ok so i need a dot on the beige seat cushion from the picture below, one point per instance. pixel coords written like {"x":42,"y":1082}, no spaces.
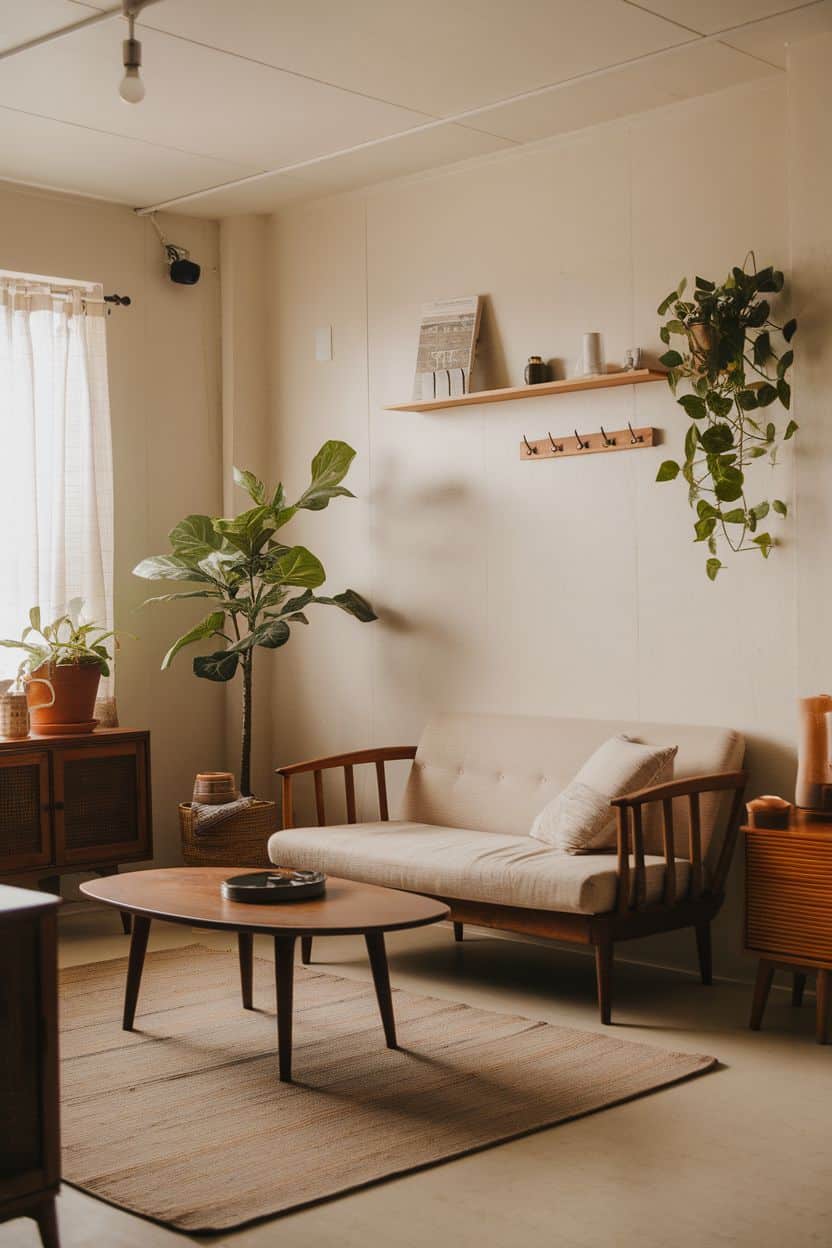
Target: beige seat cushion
{"x":463,"y":864}
{"x":496,"y":772}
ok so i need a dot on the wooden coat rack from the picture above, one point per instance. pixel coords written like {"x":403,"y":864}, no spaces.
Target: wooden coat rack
{"x":576,"y":443}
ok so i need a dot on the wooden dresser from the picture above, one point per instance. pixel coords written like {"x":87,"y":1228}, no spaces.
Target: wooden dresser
{"x":73,"y":803}
{"x":788,"y":909}
{"x":29,"y":1120}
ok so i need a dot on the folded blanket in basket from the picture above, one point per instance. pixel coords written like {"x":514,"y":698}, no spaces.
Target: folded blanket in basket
{"x":207,"y":817}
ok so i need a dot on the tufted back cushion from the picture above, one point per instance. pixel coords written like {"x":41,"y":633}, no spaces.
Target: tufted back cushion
{"x":494,"y":773}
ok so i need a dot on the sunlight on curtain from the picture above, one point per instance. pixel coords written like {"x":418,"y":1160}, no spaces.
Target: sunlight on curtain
{"x":56,"y":495}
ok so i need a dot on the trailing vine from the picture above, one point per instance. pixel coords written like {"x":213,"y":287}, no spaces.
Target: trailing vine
{"x":734,"y":372}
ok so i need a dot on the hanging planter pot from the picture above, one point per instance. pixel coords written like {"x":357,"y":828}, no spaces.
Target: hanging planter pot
{"x":701,"y":338}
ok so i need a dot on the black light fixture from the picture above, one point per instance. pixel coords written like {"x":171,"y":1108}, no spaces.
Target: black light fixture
{"x":183,"y":270}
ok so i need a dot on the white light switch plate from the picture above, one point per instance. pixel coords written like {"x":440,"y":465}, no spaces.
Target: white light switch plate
{"x":323,"y":343}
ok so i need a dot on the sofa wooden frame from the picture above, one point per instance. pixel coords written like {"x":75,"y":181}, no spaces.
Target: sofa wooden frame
{"x":632,"y":916}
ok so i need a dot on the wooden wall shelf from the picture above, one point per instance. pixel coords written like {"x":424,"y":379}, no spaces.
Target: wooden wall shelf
{"x":635,"y":377}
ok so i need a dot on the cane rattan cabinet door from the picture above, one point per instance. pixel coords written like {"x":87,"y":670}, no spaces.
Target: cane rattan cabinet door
{"x":101,"y":807}
{"x":25,"y":817}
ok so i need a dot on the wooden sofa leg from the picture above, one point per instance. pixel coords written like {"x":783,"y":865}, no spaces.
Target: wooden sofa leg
{"x":458,"y":929}
{"x":798,"y":985}
{"x":603,"y":976}
{"x":306,"y":950}
{"x":703,"y":948}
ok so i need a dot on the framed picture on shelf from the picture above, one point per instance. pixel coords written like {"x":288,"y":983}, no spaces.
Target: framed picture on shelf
{"x":447,"y":342}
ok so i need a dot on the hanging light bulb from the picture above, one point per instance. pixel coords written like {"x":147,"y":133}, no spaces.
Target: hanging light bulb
{"x":131,"y":87}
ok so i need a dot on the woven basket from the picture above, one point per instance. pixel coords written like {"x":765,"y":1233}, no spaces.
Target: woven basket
{"x":239,"y":841}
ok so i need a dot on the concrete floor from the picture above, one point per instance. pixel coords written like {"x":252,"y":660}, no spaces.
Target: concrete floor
{"x":742,"y":1156}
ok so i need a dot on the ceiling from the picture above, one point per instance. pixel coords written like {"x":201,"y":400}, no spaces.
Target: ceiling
{"x":251,"y":103}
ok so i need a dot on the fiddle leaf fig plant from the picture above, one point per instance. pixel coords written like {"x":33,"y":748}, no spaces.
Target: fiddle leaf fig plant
{"x":251,"y":578}
{"x":735,"y":361}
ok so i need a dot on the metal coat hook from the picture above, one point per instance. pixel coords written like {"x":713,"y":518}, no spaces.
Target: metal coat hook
{"x":635,"y":438}
{"x":556,"y":446}
{"x":582,"y":446}
{"x":530,"y":450}
{"x":607,"y":441}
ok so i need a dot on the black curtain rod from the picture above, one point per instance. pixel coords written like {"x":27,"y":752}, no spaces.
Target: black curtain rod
{"x":121,"y":301}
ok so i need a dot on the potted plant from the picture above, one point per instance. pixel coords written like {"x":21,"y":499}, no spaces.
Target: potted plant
{"x":257,"y":586}
{"x":731,"y":366}
{"x":72,"y":657}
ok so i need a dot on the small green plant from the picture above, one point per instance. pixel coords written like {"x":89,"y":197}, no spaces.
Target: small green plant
{"x":250,"y":577}
{"x":728,"y":360}
{"x":63,"y":642}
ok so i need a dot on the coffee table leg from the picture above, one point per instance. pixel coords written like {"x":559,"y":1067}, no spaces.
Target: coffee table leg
{"x":135,"y":962}
{"x":245,"y":946}
{"x":284,"y":970}
{"x":381,"y":979}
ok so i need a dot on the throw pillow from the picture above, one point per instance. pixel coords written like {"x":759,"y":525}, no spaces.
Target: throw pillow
{"x":580,"y":819}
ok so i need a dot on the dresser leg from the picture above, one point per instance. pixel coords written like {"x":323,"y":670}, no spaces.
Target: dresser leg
{"x":798,"y":984}
{"x":47,"y":1220}
{"x":822,"y":988}
{"x":762,"y":987}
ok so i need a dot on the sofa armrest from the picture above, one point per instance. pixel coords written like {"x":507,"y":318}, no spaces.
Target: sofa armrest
{"x":378,"y":756}
{"x":631,"y":893}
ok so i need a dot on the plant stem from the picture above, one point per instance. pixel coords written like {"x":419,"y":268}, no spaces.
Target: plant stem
{"x":245,"y":761}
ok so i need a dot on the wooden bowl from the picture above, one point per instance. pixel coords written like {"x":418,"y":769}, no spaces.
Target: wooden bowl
{"x":215,"y":788}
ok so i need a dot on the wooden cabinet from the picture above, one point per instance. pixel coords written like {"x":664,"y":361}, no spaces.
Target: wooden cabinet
{"x":788,"y":909}
{"x":74,"y":803}
{"x":29,"y":1118}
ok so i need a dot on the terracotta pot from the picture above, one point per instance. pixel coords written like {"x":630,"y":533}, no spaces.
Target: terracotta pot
{"x":701,"y":338}
{"x":76,"y":687}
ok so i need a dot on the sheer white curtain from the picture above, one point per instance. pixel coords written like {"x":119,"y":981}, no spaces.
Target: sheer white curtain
{"x":56,"y":492}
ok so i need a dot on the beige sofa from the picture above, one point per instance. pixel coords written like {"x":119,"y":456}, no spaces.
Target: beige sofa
{"x":475,"y":785}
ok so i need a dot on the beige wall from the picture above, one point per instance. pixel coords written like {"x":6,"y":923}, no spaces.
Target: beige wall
{"x":164,"y":371}
{"x":562,"y":588}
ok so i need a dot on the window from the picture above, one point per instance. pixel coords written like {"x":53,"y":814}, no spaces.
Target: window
{"x":56,"y":496}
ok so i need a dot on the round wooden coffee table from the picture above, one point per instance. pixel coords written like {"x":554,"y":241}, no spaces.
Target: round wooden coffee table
{"x":191,"y":895}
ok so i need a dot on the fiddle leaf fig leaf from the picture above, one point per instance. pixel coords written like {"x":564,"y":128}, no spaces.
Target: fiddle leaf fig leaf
{"x":247,"y":481}
{"x":353,"y":604}
{"x":271,"y":635}
{"x":194,"y":538}
{"x":329,"y":467}
{"x":220,"y":666}
{"x":298,"y":566}
{"x":206,"y":628}
{"x":168,"y":568}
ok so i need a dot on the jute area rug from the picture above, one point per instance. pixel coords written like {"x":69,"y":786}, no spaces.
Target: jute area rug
{"x":185,"y":1122}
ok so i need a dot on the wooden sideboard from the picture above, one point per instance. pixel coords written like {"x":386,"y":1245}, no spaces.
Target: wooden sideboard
{"x":788,"y":910}
{"x":72,"y":804}
{"x":29,"y":1107}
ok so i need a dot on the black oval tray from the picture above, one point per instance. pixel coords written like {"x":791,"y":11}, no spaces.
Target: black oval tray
{"x":274,"y":887}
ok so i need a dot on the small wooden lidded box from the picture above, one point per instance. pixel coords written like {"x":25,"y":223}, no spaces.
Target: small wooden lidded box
{"x":788,"y":907}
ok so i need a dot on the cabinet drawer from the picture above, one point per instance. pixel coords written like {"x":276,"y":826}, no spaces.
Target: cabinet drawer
{"x":25,"y":823}
{"x":789,"y":895}
{"x":101,"y":809}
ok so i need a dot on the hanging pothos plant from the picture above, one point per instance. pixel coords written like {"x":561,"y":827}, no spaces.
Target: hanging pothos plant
{"x":730,"y":363}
